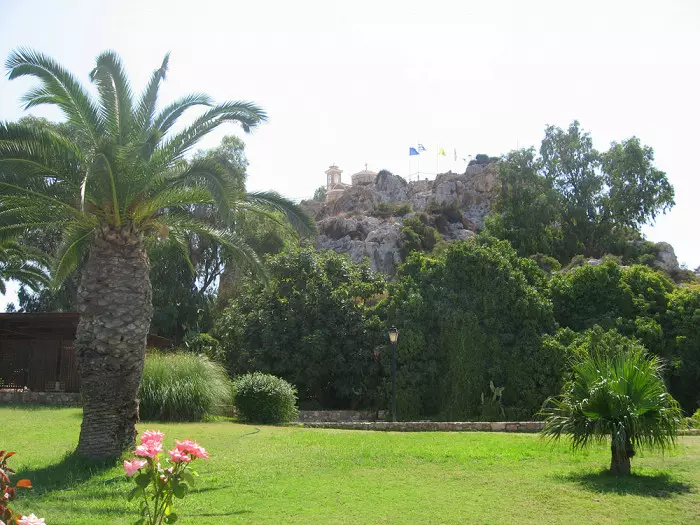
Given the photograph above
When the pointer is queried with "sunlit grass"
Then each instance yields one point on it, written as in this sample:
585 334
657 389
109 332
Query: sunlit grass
297 475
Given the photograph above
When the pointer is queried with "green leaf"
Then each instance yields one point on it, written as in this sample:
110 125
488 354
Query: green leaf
136 491
188 477
179 490
142 479
171 518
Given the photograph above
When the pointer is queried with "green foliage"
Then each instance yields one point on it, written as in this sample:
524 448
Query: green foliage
310 326
471 315
264 398
384 210
182 387
417 236
572 199
320 194
482 159
491 408
546 263
695 419
205 344
616 392
641 303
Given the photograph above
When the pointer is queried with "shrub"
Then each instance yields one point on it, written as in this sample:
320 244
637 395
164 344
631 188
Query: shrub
616 392
695 420
264 398
204 344
384 210
182 387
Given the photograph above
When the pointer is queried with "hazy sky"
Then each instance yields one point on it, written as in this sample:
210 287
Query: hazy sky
355 82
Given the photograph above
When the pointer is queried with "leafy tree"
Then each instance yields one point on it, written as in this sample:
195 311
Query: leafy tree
640 303
311 326
573 199
120 183
320 194
473 314
526 212
616 392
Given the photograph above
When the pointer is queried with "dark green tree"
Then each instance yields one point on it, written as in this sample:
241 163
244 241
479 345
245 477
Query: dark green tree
573 199
473 314
312 325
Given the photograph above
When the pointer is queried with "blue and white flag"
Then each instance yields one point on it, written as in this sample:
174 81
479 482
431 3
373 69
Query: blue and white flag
421 147
413 151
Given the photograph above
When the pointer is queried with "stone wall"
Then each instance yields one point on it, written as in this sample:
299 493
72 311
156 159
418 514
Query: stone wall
325 416
432 426
39 398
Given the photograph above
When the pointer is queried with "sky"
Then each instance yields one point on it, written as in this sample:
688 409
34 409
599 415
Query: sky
359 82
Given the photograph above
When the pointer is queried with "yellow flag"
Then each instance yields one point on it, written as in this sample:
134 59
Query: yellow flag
441 151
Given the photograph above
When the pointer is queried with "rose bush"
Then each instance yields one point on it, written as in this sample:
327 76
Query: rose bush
157 484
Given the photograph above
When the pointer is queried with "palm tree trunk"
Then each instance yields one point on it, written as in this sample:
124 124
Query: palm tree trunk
620 458
114 302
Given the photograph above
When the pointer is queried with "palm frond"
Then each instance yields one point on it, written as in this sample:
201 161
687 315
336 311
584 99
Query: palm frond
180 221
29 151
115 95
60 89
301 221
169 115
74 247
147 102
247 114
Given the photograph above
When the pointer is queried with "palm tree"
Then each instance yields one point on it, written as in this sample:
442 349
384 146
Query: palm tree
23 264
620 395
122 181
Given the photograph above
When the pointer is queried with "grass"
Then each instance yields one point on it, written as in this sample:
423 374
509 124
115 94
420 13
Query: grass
297 475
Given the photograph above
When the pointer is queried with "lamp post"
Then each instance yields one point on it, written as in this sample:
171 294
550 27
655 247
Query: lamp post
393 339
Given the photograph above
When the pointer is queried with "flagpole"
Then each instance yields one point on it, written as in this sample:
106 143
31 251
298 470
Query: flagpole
437 161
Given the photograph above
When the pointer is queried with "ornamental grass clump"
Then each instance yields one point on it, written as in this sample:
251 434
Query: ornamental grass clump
618 394
182 387
264 398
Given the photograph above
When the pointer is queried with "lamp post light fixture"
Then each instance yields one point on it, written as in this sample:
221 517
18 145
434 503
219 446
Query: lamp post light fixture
394 340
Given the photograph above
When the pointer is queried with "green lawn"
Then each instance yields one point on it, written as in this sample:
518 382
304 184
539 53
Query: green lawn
296 475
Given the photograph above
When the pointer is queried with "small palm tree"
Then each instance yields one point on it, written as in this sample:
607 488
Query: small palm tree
620 395
118 182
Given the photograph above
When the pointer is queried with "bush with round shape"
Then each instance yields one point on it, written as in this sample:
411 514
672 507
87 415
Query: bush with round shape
182 387
264 398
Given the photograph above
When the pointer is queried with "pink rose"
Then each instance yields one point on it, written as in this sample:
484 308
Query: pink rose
30 520
192 448
177 456
152 436
132 467
149 449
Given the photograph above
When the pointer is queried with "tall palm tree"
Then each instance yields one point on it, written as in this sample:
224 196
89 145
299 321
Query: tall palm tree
122 181
620 396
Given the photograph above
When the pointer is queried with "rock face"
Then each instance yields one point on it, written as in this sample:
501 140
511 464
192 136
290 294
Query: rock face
346 224
362 237
666 259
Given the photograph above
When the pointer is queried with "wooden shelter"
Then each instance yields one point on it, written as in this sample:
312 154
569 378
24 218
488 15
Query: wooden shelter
37 351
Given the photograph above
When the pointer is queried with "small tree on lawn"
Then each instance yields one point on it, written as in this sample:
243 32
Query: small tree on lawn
619 394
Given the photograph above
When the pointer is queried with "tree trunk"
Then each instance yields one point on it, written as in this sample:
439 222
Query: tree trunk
620 458
114 302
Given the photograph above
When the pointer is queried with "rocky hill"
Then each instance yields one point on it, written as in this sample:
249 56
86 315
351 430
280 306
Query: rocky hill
362 219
